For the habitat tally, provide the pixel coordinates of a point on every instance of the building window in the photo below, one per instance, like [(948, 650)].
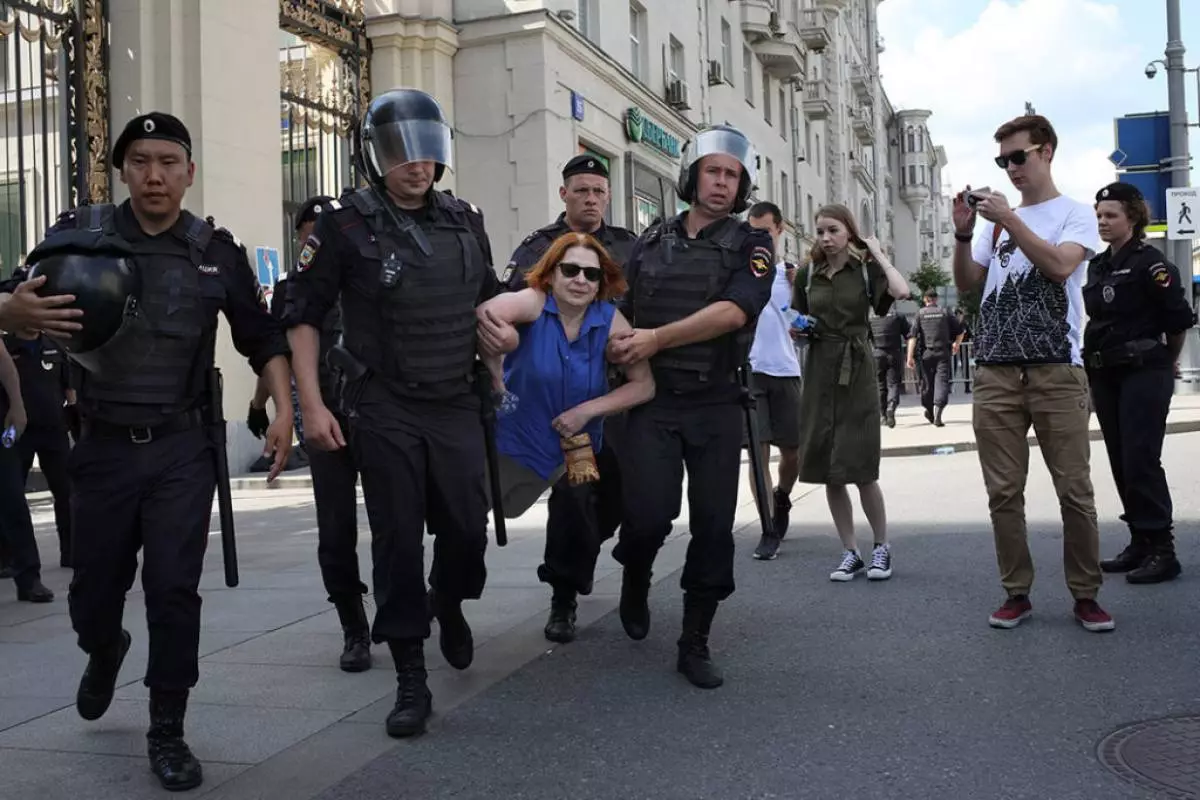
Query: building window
[(637, 20), (912, 174), (769, 188), (748, 73), (785, 191), (675, 64), (923, 175), (784, 119), (912, 141), (812, 214), (766, 87), (727, 50), (817, 155), (585, 16), (808, 150)]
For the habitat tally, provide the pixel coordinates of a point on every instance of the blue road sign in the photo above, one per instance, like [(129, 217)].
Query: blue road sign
[(1153, 185), (1117, 157), (577, 106), (1144, 139), (267, 259)]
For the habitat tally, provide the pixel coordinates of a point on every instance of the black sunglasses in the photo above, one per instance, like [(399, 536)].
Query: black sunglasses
[(570, 270), (1018, 157)]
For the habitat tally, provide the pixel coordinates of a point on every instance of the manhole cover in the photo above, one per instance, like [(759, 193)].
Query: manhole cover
[(1160, 754)]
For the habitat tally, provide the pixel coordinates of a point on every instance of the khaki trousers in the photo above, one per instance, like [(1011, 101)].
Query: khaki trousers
[(1053, 398)]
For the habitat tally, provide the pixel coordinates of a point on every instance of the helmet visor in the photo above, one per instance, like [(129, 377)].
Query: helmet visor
[(722, 142), (395, 144)]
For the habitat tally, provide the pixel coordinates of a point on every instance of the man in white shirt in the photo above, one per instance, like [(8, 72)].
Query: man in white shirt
[(1032, 262), (775, 382)]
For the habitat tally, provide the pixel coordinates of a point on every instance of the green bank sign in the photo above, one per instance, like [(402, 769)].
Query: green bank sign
[(640, 129)]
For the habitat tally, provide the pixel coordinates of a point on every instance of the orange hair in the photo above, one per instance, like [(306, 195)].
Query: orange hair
[(612, 279)]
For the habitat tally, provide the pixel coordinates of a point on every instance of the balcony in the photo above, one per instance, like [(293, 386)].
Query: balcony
[(781, 57), (815, 29), (760, 20), (817, 103), (862, 82), (834, 5), (863, 122), (863, 168)]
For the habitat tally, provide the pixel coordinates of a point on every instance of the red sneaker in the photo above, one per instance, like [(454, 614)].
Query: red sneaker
[(1092, 617), (1012, 613)]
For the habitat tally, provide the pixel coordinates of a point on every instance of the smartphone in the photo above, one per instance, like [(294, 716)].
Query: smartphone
[(973, 197)]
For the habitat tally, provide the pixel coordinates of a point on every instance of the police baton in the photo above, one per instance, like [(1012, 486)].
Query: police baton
[(755, 446), (487, 412), (221, 458)]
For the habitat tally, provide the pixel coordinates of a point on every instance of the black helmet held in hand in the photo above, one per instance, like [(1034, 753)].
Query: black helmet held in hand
[(402, 126), (105, 287)]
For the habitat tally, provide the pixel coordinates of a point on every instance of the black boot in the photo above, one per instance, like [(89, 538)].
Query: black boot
[(694, 659), (782, 516), (1131, 557), (34, 592), (929, 415), (171, 760), (890, 418), (100, 679), (561, 625), (454, 634), (937, 417), (635, 602), (1161, 565), (414, 702), (356, 651)]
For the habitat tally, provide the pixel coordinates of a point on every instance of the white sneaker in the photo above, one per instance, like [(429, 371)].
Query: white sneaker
[(881, 563), (852, 565)]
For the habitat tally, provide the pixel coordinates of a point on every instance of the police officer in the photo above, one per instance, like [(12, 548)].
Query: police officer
[(888, 334), (143, 472), (579, 518), (1138, 317), (410, 265), (936, 333), (45, 386), (697, 281)]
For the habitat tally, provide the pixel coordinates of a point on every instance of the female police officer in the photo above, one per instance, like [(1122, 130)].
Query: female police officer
[(1138, 317)]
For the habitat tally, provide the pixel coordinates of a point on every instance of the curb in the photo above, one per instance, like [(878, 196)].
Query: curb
[(303, 480)]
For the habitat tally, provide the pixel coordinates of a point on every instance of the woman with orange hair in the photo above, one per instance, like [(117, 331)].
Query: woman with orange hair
[(558, 374)]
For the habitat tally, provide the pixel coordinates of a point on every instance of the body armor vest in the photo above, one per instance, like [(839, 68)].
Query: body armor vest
[(426, 281), (885, 334), (935, 329), (617, 241), (152, 359), (676, 278)]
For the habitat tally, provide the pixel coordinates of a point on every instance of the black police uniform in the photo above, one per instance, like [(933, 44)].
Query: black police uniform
[(1134, 300), (934, 328), (695, 419), (579, 518), (16, 525), (408, 300), (888, 334)]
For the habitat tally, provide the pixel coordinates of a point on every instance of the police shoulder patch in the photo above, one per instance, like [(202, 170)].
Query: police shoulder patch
[(308, 253), (1160, 274), (506, 276), (760, 261)]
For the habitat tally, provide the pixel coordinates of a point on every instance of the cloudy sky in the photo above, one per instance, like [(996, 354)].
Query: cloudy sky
[(974, 64)]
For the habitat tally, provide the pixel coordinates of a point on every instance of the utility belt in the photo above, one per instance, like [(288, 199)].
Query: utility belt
[(674, 381), (143, 434), (1136, 353)]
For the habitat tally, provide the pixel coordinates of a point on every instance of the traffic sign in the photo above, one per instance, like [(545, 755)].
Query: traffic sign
[(1117, 157), (1183, 209), (1153, 185), (1143, 139), (267, 259)]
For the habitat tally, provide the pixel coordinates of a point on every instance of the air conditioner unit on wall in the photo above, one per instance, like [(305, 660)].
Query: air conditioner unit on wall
[(679, 95), (716, 73)]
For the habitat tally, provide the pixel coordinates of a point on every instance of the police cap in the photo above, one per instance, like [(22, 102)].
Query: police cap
[(155, 125), (1120, 192), (584, 164), (312, 206)]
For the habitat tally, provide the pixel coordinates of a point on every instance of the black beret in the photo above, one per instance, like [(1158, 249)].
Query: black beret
[(1121, 192), (585, 165), (155, 125), (312, 206)]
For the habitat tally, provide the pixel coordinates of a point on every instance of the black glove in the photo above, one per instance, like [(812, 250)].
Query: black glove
[(257, 421)]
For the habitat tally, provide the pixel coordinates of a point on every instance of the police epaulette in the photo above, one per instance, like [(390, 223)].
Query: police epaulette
[(67, 216), (224, 234)]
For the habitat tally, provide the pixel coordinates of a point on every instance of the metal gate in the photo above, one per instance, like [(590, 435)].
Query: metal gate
[(324, 66), (55, 127)]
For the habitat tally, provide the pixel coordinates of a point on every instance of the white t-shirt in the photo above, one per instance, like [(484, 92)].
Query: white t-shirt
[(773, 352), (1024, 317)]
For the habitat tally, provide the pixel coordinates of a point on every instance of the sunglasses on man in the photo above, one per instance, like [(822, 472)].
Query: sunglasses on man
[(569, 270), (1018, 157)]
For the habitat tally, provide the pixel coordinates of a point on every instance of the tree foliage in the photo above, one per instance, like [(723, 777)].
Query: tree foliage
[(928, 276)]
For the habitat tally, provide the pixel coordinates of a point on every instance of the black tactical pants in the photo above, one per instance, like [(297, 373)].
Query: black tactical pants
[(661, 440), (935, 380), (155, 497), (52, 449), (335, 479), (580, 519), (422, 464), (1131, 405), (889, 370), (16, 525)]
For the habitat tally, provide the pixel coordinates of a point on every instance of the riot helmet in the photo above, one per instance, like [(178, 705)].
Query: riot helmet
[(106, 286), (402, 126), (727, 140)]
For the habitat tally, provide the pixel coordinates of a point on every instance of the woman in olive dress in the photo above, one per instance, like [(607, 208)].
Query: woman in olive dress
[(847, 276)]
